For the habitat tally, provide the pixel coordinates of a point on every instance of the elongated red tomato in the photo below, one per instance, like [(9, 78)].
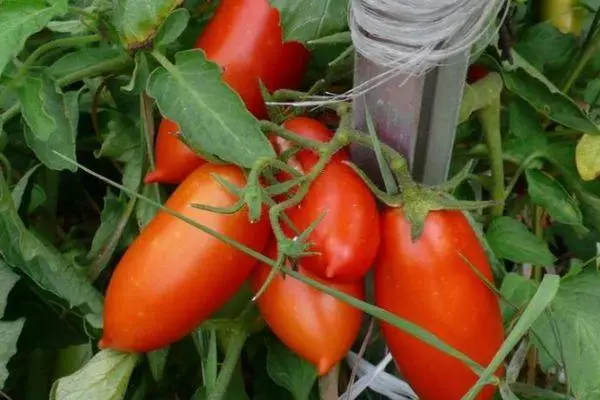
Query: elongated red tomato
[(245, 39), (347, 238), (429, 283), (173, 276), (170, 150), (316, 326)]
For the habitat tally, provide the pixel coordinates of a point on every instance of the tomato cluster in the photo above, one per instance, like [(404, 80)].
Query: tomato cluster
[(174, 275)]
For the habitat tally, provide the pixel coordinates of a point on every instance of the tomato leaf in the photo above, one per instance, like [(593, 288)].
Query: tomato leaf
[(308, 20), (158, 360), (519, 291), (290, 371), (20, 19), (44, 264), (571, 332), (80, 59), (138, 20), (548, 193), (523, 120), (19, 189), (141, 73), (173, 27), (104, 377), (51, 117), (9, 330), (511, 240), (543, 45), (586, 157), (528, 83), (211, 115)]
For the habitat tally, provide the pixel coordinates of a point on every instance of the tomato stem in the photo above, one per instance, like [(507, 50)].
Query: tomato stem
[(234, 351), (328, 384), (490, 123), (58, 43)]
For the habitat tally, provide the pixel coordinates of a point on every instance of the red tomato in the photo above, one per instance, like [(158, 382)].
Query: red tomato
[(316, 326), (174, 276), (169, 151), (475, 73), (347, 238), (428, 283), (245, 39)]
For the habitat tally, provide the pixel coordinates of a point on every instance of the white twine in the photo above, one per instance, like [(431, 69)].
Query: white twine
[(410, 37)]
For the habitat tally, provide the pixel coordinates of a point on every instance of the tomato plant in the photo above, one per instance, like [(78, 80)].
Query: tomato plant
[(441, 292), (179, 220), (247, 54)]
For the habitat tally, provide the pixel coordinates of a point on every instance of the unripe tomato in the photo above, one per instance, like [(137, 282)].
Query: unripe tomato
[(347, 238), (566, 15), (316, 326), (174, 276), (170, 151), (245, 39), (428, 283)]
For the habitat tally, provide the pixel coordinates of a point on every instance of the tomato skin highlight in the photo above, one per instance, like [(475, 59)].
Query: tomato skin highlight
[(348, 237), (174, 276), (316, 326), (245, 39), (431, 285), (171, 151)]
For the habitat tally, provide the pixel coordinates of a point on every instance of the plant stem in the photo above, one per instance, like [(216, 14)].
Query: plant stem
[(590, 49), (58, 43), (234, 351), (538, 230), (110, 65), (328, 384), (490, 123), (524, 165)]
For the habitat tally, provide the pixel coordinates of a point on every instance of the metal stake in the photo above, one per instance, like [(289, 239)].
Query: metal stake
[(415, 116)]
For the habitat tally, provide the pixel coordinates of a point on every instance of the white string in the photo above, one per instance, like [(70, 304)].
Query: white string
[(410, 37)]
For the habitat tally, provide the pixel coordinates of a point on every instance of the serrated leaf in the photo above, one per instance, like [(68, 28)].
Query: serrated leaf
[(20, 19), (511, 240), (587, 157), (290, 371), (571, 332), (9, 335), (52, 119), (80, 59), (308, 20), (528, 83), (138, 20), (173, 27), (43, 264), (211, 115), (104, 377), (548, 193)]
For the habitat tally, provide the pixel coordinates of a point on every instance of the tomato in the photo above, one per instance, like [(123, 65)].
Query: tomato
[(247, 52), (565, 15), (316, 326), (476, 72), (347, 238), (428, 283), (174, 276), (171, 151)]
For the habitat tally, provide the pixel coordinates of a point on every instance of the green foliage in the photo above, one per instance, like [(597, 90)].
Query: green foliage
[(85, 82)]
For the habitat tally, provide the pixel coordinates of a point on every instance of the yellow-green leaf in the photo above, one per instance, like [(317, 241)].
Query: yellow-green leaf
[(587, 157)]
